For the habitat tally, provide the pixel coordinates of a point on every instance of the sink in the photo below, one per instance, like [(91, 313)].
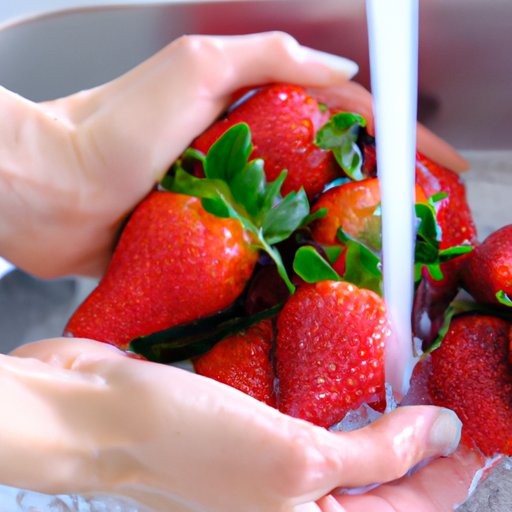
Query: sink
[(464, 96)]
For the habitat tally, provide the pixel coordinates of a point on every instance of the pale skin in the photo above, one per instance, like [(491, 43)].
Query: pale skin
[(70, 171)]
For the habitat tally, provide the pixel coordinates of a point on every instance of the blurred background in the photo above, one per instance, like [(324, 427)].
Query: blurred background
[(13, 9)]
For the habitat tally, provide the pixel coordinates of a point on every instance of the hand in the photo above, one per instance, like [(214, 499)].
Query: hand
[(176, 441), (72, 169)]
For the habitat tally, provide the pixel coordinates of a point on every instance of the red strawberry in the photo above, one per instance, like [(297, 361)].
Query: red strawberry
[(174, 263), (243, 362), (283, 120), (510, 345), (488, 268), (457, 228), (330, 351), (352, 206), (471, 375), (454, 215)]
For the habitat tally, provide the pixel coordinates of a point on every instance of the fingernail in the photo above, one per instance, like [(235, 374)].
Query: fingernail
[(445, 432), (348, 68)]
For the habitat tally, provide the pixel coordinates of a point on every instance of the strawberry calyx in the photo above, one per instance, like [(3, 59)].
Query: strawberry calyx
[(362, 264), (236, 187), (503, 298), (427, 252), (340, 135), (193, 339)]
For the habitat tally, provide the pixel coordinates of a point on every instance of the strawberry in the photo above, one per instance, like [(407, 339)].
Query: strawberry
[(454, 214), (189, 252), (487, 273), (243, 361), (457, 229), (471, 375), (284, 120), (173, 264), (352, 206), (330, 351)]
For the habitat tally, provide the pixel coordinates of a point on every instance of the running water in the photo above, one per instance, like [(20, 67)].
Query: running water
[(393, 39)]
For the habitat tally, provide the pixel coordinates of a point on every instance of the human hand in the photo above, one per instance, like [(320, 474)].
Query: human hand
[(73, 168), (176, 441)]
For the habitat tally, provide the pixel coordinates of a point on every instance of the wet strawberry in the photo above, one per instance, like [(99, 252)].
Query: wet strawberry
[(352, 206), (454, 214), (243, 361), (330, 351), (471, 374), (488, 270), (457, 228), (174, 263), (283, 120)]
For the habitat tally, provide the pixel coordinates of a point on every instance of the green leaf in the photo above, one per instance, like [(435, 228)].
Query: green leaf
[(216, 206), (310, 266), (362, 265), (317, 214), (453, 252), (282, 220), (272, 194), (428, 228), (229, 154), (194, 154), (503, 298), (427, 252), (340, 135), (248, 187), (237, 188), (450, 312), (333, 252), (195, 338)]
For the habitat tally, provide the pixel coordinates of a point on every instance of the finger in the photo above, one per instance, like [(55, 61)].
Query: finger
[(397, 442), (142, 121), (437, 487), (64, 353), (439, 150), (277, 57)]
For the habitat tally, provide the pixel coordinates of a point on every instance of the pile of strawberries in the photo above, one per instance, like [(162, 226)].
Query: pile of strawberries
[(258, 258)]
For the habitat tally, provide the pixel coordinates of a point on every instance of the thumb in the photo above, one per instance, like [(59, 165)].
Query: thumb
[(396, 442)]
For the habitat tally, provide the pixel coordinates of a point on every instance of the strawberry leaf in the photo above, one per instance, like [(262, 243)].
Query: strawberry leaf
[(248, 187), (195, 338), (311, 267), (362, 265), (340, 135), (317, 214), (427, 252), (236, 187), (285, 217), (333, 252), (229, 154), (453, 252), (503, 298)]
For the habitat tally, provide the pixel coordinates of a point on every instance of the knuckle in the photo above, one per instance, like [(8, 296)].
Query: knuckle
[(283, 42), (304, 466), (405, 457)]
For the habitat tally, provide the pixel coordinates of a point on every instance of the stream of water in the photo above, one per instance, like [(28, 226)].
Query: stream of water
[(393, 39)]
